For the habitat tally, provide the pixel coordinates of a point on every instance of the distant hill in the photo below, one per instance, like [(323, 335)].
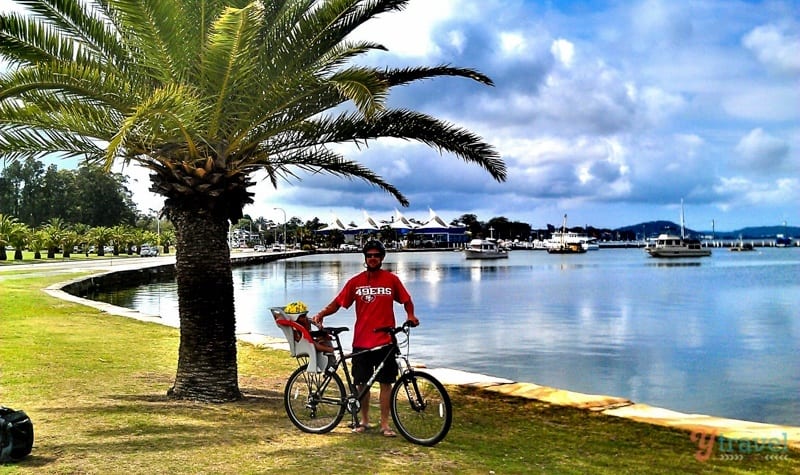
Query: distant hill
[(653, 228), (767, 232)]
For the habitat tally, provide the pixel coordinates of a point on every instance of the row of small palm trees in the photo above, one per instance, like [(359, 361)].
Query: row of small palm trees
[(56, 236)]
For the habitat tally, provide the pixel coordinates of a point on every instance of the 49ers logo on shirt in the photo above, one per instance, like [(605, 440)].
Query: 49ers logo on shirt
[(368, 293)]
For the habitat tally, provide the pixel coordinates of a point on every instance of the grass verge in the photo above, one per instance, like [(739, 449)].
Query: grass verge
[(95, 387), (28, 257)]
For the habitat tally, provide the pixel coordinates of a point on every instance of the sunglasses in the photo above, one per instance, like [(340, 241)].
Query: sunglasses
[(368, 255)]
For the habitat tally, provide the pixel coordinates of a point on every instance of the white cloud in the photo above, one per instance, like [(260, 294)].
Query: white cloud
[(139, 185), (408, 33), (775, 48), (512, 44), (745, 191), (760, 150), (563, 51), (765, 103)]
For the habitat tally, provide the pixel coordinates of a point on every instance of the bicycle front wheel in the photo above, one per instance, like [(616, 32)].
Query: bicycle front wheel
[(421, 408), (314, 402)]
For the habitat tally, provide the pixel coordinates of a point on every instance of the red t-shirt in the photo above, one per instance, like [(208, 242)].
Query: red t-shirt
[(374, 294)]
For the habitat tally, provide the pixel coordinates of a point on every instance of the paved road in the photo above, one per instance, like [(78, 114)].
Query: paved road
[(99, 265)]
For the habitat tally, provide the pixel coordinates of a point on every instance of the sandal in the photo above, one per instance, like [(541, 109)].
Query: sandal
[(361, 429), (388, 432)]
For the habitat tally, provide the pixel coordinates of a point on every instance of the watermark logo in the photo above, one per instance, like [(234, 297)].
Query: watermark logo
[(729, 448)]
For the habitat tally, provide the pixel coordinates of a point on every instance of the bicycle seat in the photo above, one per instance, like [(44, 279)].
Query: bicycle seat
[(335, 330)]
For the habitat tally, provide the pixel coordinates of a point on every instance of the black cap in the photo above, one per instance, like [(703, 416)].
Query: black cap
[(376, 245)]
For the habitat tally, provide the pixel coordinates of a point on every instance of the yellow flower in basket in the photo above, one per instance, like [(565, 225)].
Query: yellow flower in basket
[(296, 308)]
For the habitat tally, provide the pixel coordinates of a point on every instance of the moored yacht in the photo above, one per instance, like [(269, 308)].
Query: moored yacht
[(669, 245), (484, 249), (567, 242)]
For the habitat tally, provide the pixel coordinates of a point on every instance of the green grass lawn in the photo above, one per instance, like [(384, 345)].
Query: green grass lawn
[(28, 258), (95, 387)]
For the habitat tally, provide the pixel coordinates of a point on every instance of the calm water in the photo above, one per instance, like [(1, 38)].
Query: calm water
[(718, 335)]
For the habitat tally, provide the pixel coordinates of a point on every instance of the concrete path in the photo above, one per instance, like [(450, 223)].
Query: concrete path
[(613, 406)]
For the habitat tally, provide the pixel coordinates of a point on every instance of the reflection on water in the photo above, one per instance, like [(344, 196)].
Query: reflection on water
[(676, 263), (719, 335)]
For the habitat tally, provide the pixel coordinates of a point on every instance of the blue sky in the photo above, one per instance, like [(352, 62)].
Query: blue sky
[(608, 111)]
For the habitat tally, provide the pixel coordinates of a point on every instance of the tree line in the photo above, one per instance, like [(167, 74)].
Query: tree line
[(57, 236), (86, 210), (35, 194), (249, 231)]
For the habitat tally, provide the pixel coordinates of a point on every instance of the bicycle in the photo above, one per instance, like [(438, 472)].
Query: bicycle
[(316, 401)]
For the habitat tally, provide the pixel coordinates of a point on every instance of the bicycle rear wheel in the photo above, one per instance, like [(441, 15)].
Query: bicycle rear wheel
[(313, 402), (421, 408)]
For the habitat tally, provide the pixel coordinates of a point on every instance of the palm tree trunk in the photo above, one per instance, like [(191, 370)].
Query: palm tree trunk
[(207, 368)]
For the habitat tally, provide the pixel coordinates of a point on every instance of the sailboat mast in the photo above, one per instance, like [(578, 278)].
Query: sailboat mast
[(682, 234)]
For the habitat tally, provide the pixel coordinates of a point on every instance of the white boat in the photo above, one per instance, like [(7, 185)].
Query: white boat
[(670, 245), (567, 242), (573, 238), (484, 249)]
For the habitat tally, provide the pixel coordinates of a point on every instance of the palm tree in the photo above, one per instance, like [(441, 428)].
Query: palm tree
[(83, 240), (120, 236), (54, 233), (6, 226), (18, 237), (69, 239), (167, 237), (204, 93), (36, 243), (100, 236)]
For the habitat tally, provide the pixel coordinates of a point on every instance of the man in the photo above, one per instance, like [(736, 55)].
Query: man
[(374, 292)]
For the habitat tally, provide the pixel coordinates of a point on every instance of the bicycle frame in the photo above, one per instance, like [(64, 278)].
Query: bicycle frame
[(353, 401)]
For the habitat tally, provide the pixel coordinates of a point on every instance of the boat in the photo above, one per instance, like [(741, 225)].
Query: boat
[(742, 246), (566, 242), (670, 245), (484, 249), (782, 241), (571, 238)]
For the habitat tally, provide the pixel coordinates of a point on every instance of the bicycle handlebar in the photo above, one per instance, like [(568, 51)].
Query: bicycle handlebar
[(395, 330)]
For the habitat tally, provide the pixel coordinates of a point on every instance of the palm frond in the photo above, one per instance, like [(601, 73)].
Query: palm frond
[(322, 160), (342, 53), (396, 77), (70, 82), (48, 112), (230, 66), (153, 36), (364, 88), (79, 25), (402, 124), (25, 41), (196, 19), (171, 114), (20, 143)]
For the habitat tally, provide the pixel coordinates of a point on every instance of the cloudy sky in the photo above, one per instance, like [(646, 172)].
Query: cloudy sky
[(608, 111)]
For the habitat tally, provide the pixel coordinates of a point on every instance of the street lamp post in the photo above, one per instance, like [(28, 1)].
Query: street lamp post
[(284, 226), (158, 227)]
